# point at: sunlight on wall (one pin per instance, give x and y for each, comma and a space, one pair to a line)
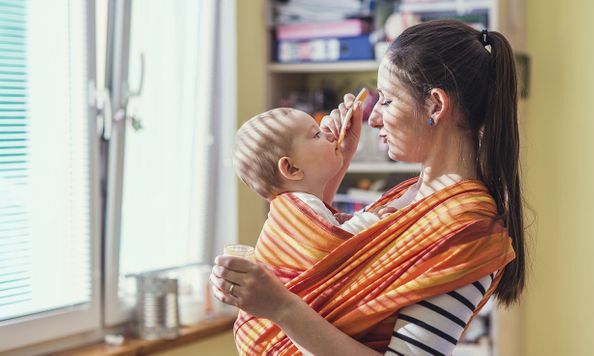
251, 85
558, 171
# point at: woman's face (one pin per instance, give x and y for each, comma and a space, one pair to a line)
403, 126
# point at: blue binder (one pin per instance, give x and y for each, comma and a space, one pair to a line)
325, 50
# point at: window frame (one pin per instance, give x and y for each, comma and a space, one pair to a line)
116, 76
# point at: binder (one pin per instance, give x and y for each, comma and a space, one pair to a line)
325, 50
300, 31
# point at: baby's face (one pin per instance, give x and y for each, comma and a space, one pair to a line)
313, 152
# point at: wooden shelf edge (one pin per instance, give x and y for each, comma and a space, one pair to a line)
383, 167
457, 6
324, 67
134, 346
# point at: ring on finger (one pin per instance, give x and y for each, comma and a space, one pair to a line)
231, 289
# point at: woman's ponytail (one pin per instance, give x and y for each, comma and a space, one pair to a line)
498, 159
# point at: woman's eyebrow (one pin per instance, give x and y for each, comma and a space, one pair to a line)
383, 93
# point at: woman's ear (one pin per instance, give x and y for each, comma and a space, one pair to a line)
288, 170
439, 104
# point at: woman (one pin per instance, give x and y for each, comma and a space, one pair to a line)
447, 100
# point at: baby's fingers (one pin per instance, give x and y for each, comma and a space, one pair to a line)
329, 125
384, 212
342, 109
387, 210
348, 100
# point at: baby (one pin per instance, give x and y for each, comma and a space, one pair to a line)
285, 158
283, 151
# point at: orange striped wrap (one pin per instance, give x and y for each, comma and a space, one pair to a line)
358, 283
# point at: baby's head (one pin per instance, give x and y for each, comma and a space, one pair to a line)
283, 150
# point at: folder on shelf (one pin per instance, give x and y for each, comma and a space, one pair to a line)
300, 31
325, 50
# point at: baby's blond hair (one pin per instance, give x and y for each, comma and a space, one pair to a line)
259, 144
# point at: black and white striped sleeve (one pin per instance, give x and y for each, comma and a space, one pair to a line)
434, 326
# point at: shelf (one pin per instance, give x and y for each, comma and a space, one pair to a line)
459, 6
324, 67
136, 346
384, 167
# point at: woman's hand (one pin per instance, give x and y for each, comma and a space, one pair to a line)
332, 124
255, 289
260, 293
382, 211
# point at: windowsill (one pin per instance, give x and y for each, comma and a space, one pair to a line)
135, 346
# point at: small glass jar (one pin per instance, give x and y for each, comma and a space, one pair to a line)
239, 250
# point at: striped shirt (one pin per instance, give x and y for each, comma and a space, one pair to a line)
434, 326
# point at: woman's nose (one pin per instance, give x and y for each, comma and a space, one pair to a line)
375, 119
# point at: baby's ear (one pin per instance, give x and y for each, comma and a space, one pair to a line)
288, 170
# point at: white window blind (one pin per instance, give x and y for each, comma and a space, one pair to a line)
15, 156
46, 226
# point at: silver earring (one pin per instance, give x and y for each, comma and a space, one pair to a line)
430, 121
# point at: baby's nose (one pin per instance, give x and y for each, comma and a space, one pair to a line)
330, 137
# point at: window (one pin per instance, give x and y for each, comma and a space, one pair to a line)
170, 159
72, 185
48, 187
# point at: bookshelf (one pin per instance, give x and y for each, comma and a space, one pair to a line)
506, 16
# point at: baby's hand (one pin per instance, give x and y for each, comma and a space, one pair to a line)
382, 211
343, 217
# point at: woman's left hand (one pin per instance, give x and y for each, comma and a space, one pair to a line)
382, 211
250, 287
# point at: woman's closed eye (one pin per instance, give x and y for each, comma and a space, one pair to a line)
382, 100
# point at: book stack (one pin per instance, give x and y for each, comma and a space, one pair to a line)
308, 11
316, 31
346, 40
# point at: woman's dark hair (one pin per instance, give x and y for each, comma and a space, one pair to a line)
477, 70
